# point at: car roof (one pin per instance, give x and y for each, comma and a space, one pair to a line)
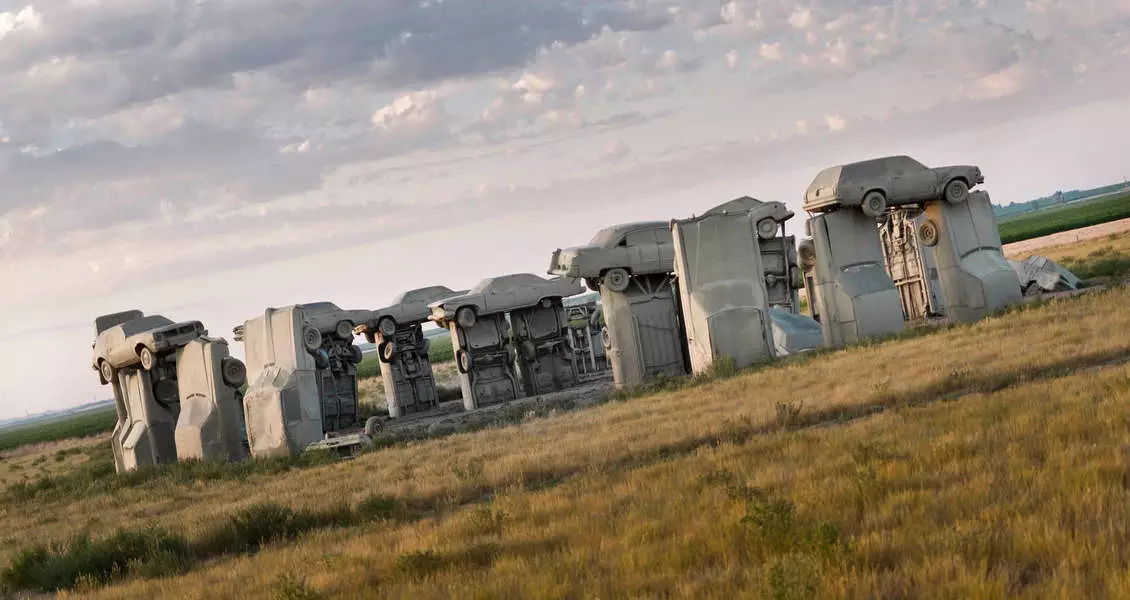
611, 235
505, 282
425, 294
145, 324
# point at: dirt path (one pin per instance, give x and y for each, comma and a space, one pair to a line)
1027, 247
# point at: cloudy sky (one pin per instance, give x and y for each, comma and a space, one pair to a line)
208, 158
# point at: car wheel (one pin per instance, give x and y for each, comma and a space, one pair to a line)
617, 279
956, 192
529, 351
874, 204
311, 338
387, 326
233, 372
355, 354
148, 360
767, 229
373, 426
344, 330
106, 371
928, 233
806, 251
466, 317
423, 349
385, 351
592, 283
463, 361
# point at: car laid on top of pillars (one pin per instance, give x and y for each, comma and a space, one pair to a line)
616, 253
130, 338
874, 185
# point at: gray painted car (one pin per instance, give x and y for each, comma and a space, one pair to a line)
407, 308
501, 294
875, 184
130, 338
640, 248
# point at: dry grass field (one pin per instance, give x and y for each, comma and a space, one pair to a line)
979, 461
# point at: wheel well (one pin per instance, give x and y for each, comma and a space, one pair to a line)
627, 270
138, 349
960, 178
880, 190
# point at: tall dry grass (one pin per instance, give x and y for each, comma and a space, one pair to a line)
896, 459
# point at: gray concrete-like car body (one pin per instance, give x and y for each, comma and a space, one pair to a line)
484, 354
853, 296
632, 265
402, 348
976, 278
146, 396
875, 184
301, 369
210, 423
130, 338
912, 266
617, 252
778, 251
722, 289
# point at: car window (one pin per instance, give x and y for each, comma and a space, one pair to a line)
635, 238
903, 165
868, 169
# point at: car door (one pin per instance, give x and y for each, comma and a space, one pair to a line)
644, 250
913, 180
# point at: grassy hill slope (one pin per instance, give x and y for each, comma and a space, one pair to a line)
977, 461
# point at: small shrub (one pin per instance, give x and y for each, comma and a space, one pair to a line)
293, 588
793, 578
485, 520
788, 415
419, 563
379, 507
469, 472
65, 565
774, 522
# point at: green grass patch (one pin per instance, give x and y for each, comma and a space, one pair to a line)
92, 423
439, 352
82, 562
1065, 218
97, 474
1104, 262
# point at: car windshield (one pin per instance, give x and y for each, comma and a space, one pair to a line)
137, 326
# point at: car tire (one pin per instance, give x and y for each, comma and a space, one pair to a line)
387, 326
806, 251
311, 338
529, 351
928, 234
424, 348
956, 191
373, 426
466, 317
463, 361
344, 330
874, 204
355, 354
147, 358
233, 372
106, 371
617, 279
386, 351
767, 229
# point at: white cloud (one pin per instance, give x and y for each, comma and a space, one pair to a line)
732, 59
801, 17
25, 19
415, 108
835, 123
771, 52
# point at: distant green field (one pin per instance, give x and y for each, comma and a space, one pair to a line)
92, 423
441, 351
1064, 218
